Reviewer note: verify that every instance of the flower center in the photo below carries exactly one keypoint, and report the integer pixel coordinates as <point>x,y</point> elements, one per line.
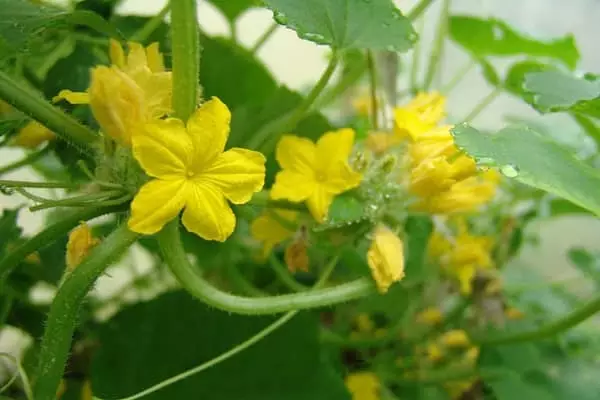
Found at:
<point>320,177</point>
<point>189,174</point>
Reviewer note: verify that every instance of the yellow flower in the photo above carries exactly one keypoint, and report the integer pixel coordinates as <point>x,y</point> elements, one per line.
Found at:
<point>126,95</point>
<point>386,258</point>
<point>455,338</point>
<point>465,275</point>
<point>421,115</point>
<point>472,355</point>
<point>193,171</point>
<point>363,386</point>
<point>32,135</point>
<point>79,245</point>
<point>315,173</point>
<point>273,229</point>
<point>434,352</point>
<point>430,316</point>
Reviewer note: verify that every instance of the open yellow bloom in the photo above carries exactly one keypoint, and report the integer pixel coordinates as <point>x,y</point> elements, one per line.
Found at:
<point>81,241</point>
<point>32,135</point>
<point>193,171</point>
<point>386,258</point>
<point>315,173</point>
<point>126,95</point>
<point>363,386</point>
<point>273,229</point>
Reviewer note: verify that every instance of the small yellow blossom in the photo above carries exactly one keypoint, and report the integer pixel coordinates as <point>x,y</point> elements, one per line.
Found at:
<point>364,323</point>
<point>81,241</point>
<point>363,386</point>
<point>315,173</point>
<point>434,352</point>
<point>193,172</point>
<point>380,142</point>
<point>32,135</point>
<point>514,313</point>
<point>273,229</point>
<point>126,95</point>
<point>386,258</point>
<point>421,115</point>
<point>455,338</point>
<point>430,316</point>
<point>472,355</point>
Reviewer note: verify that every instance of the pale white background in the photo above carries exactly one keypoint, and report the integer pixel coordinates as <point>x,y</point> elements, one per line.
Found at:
<point>297,64</point>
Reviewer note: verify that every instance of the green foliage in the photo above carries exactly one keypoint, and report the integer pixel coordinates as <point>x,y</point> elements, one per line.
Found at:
<point>557,91</point>
<point>286,364</point>
<point>232,9</point>
<point>342,24</point>
<point>587,263</point>
<point>492,37</point>
<point>532,159</point>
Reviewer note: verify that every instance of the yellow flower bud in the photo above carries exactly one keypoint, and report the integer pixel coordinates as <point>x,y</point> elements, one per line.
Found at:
<point>472,355</point>
<point>455,338</point>
<point>117,103</point>
<point>379,142</point>
<point>79,245</point>
<point>386,258</point>
<point>32,135</point>
<point>434,352</point>
<point>430,316</point>
<point>363,386</point>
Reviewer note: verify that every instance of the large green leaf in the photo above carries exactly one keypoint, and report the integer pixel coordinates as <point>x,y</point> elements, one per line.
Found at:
<point>342,24</point>
<point>534,160</point>
<point>151,341</point>
<point>232,9</point>
<point>557,91</point>
<point>492,37</point>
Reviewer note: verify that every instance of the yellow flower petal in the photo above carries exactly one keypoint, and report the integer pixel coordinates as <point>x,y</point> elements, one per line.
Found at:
<point>296,154</point>
<point>268,230</point>
<point>292,186</point>
<point>163,149</point>
<point>455,338</point>
<point>157,203</point>
<point>341,177</point>
<point>79,245</point>
<point>239,173</point>
<point>136,58</point>
<point>207,213</point>
<point>116,53</point>
<point>363,386</point>
<point>117,103</point>
<point>386,258</point>
<point>72,97</point>
<point>465,276</point>
<point>155,58</point>
<point>408,124</point>
<point>208,128</point>
<point>334,148</point>
<point>32,135</point>
<point>319,201</point>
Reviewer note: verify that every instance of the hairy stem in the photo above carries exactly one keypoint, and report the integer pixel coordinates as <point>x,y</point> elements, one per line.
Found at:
<point>64,310</point>
<point>185,43</point>
<point>47,236</point>
<point>189,277</point>
<point>29,102</point>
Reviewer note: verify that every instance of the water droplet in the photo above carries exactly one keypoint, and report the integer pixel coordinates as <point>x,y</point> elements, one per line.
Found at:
<point>509,170</point>
<point>497,32</point>
<point>314,37</point>
<point>280,18</point>
<point>413,36</point>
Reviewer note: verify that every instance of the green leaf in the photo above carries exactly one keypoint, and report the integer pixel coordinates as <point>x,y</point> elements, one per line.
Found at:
<point>534,160</point>
<point>22,19</point>
<point>95,22</point>
<point>492,37</point>
<point>516,75</point>
<point>587,263</point>
<point>342,24</point>
<point>346,209</point>
<point>232,9</point>
<point>556,91</point>
<point>488,72</point>
<point>130,24</point>
<point>233,74</point>
<point>152,341</point>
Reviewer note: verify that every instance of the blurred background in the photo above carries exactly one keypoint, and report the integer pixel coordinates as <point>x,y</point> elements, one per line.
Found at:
<point>298,63</point>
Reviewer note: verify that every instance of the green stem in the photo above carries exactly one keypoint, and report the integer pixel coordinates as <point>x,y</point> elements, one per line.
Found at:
<point>169,241</point>
<point>142,34</point>
<point>28,184</point>
<point>242,283</point>
<point>264,37</point>
<point>575,317</point>
<point>455,80</point>
<point>25,100</point>
<point>284,275</point>
<point>373,87</point>
<point>233,351</point>
<point>185,45</point>
<point>416,62</point>
<point>28,159</point>
<point>267,136</point>
<point>419,9</point>
<point>47,236</point>
<point>438,46</point>
<point>64,310</point>
<point>482,105</point>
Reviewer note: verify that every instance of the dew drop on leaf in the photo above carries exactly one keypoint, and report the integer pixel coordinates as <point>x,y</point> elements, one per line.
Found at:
<point>509,170</point>
<point>280,18</point>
